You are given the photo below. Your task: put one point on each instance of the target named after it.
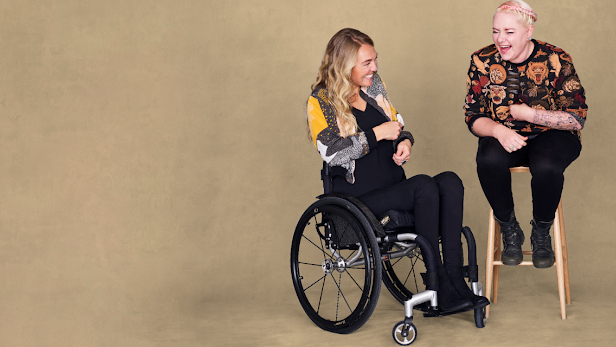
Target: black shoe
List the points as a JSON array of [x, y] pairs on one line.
[[459, 283], [513, 238], [448, 298], [541, 242]]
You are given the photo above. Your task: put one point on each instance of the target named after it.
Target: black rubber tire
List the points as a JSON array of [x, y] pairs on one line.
[[339, 301], [402, 276], [480, 317], [404, 340]]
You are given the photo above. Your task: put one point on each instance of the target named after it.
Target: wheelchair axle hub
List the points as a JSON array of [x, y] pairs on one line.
[[329, 266]]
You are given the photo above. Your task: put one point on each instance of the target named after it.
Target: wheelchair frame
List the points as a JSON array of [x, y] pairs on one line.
[[347, 237]]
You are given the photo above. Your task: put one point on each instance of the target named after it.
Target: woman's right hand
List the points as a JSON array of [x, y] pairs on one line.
[[509, 139], [387, 131]]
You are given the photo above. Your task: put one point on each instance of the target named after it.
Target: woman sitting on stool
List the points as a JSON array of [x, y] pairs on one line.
[[527, 106]]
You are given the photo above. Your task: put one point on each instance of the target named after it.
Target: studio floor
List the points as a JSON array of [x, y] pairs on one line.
[[526, 314]]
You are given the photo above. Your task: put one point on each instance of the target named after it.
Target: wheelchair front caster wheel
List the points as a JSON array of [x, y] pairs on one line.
[[480, 317], [404, 334]]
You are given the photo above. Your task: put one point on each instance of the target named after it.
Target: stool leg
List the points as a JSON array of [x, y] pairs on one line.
[[497, 255], [563, 239], [490, 259], [560, 250], [559, 265]]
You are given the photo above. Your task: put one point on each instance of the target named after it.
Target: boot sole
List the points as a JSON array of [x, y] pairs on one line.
[[511, 261], [543, 263]]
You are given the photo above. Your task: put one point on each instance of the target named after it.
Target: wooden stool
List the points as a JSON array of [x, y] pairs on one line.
[[493, 255]]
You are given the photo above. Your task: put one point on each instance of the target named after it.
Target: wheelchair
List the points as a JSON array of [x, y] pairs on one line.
[[340, 253]]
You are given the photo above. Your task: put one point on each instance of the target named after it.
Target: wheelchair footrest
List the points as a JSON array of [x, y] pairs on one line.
[[432, 313]]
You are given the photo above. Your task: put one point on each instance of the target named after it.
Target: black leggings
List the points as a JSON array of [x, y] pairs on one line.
[[437, 203], [547, 156]]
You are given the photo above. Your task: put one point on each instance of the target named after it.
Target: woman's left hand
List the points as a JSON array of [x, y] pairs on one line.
[[521, 112], [403, 153]]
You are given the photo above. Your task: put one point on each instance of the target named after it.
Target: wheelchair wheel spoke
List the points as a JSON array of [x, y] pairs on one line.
[[409, 275], [314, 244], [413, 270], [315, 282], [320, 248], [397, 261], [321, 296], [311, 264], [338, 297], [340, 293], [353, 279]]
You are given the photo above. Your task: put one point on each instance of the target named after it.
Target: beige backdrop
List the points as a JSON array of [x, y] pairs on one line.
[[153, 164]]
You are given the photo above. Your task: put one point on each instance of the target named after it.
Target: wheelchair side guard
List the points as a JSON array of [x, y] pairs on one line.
[[472, 270], [376, 225], [430, 279]]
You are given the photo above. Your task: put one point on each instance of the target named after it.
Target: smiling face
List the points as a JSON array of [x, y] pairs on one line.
[[511, 37], [365, 67]]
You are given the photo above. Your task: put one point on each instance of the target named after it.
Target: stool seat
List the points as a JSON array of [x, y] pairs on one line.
[[494, 251]]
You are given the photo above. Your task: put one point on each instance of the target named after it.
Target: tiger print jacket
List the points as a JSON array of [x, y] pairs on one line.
[[546, 80]]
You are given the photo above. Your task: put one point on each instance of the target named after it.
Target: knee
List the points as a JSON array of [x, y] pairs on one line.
[[449, 182], [425, 186], [546, 169]]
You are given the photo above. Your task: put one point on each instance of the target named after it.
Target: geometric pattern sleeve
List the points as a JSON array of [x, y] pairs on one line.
[[334, 149], [377, 97]]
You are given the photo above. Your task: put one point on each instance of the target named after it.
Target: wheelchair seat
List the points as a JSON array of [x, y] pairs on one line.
[[397, 221]]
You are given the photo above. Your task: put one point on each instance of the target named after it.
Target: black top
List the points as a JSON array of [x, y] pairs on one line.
[[546, 80], [376, 169]]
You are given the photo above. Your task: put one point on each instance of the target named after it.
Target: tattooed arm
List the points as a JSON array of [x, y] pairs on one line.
[[560, 120]]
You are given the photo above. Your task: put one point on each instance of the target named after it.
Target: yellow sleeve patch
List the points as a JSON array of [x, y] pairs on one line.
[[316, 119]]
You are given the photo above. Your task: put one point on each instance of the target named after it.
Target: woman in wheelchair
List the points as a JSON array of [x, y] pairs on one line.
[[361, 137]]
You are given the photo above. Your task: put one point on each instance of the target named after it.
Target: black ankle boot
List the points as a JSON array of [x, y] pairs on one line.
[[541, 242], [448, 298], [513, 238], [459, 283]]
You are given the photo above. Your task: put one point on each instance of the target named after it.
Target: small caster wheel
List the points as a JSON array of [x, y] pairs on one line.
[[404, 334], [480, 317]]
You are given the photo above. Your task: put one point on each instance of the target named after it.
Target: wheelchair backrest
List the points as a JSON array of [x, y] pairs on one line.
[[326, 178]]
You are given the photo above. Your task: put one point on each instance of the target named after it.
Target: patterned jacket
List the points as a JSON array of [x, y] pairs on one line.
[[343, 151], [546, 80]]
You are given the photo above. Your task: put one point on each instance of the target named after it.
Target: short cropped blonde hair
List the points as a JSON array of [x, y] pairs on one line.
[[527, 16]]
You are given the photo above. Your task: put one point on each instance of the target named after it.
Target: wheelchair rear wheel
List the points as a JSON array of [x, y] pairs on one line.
[[335, 265]]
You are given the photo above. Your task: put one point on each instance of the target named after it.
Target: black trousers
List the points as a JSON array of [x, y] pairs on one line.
[[437, 203], [547, 156]]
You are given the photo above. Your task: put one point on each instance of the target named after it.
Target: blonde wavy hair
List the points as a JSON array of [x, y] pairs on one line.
[[527, 16], [335, 75]]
